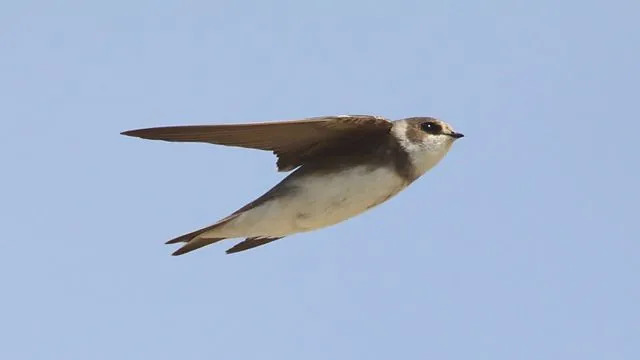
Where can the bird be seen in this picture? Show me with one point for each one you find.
(340, 166)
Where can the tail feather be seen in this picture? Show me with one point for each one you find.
(250, 243)
(194, 241)
(194, 244)
(187, 237)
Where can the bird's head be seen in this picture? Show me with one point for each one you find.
(427, 140)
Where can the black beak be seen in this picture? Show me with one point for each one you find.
(456, 135)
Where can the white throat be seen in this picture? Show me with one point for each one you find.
(423, 154)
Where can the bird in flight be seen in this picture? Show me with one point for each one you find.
(344, 165)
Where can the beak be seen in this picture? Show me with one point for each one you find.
(456, 135)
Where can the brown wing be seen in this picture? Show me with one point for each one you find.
(294, 142)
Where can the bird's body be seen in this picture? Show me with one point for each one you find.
(360, 162)
(307, 201)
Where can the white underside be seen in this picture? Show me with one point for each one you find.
(319, 201)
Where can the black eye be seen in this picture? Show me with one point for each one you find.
(431, 128)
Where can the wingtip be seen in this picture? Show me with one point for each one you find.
(129, 133)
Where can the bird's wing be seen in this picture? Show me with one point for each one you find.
(294, 142)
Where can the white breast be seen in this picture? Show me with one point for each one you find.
(329, 199)
(319, 200)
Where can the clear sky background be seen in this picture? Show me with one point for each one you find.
(522, 244)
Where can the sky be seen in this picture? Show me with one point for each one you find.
(523, 243)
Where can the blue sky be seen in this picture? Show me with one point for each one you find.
(521, 244)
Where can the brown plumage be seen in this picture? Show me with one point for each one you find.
(250, 243)
(294, 142)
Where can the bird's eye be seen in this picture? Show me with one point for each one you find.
(431, 128)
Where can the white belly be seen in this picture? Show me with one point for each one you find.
(318, 201)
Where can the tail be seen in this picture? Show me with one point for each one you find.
(194, 241)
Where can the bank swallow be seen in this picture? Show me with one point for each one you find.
(344, 165)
